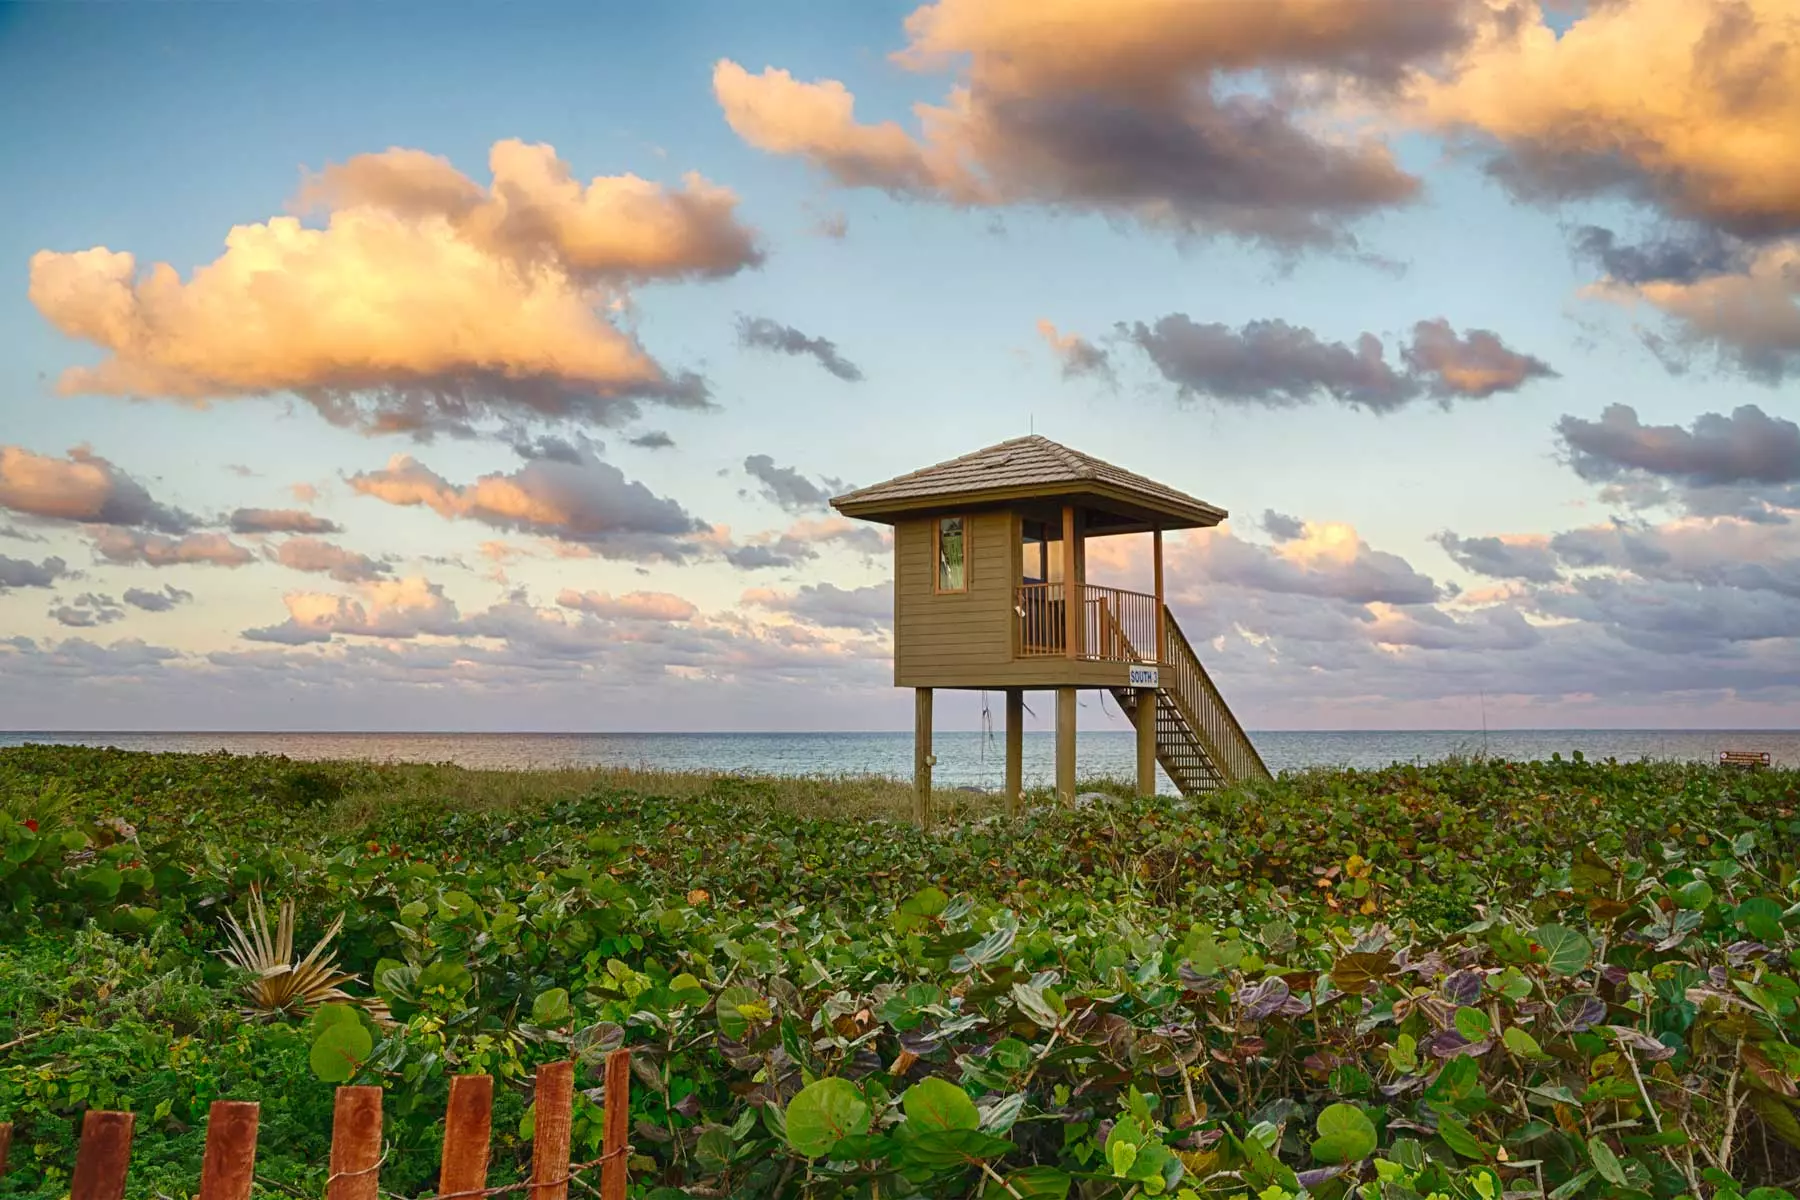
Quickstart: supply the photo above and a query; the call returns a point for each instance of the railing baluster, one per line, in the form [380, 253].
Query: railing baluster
[468, 1126]
[230, 1160]
[355, 1167]
[103, 1157]
[551, 1101]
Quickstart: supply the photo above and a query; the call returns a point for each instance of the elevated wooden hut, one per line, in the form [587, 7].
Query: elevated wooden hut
[991, 592]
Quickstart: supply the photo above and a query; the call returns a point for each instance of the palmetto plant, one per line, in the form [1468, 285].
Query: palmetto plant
[283, 987]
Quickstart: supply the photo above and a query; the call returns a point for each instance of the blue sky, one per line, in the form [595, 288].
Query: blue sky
[157, 129]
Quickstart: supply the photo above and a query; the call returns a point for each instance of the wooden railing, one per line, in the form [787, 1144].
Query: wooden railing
[1187, 682]
[1112, 625]
[103, 1157]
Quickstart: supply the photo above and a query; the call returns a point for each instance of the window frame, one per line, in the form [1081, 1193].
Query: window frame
[937, 555]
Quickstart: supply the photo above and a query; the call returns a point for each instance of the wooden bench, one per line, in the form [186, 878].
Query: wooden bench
[1744, 758]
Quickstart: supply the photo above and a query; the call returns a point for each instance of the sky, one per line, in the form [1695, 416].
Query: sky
[457, 367]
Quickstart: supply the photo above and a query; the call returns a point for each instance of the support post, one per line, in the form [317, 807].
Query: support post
[1072, 613]
[355, 1162]
[1146, 741]
[229, 1164]
[922, 757]
[1065, 746]
[1162, 636]
[1015, 750]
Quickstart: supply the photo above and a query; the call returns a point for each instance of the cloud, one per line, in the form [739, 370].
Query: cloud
[280, 520]
[391, 608]
[426, 303]
[1677, 256]
[869, 608]
[632, 606]
[88, 610]
[789, 489]
[587, 501]
[1137, 109]
[318, 555]
[1692, 106]
[82, 487]
[1278, 365]
[1748, 447]
[1282, 527]
[22, 572]
[762, 333]
[1749, 317]
[797, 544]
[1528, 558]
[1076, 354]
[127, 546]
[654, 439]
[159, 601]
[1328, 560]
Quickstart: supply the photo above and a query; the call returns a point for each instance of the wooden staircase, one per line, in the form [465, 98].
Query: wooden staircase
[1198, 742]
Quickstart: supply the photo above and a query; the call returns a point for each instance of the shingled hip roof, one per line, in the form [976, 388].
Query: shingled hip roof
[1024, 468]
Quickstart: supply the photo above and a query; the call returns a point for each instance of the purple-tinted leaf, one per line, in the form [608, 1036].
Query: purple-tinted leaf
[1614, 974]
[1463, 987]
[1739, 953]
[1641, 1043]
[1262, 1000]
[1312, 1179]
[1581, 1013]
[1200, 1139]
[1447, 1043]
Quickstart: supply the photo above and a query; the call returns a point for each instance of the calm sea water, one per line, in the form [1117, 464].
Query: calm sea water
[964, 759]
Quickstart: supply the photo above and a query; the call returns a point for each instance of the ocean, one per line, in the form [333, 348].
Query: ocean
[964, 759]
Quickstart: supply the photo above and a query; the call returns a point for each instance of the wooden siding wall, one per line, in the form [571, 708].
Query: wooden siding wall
[965, 639]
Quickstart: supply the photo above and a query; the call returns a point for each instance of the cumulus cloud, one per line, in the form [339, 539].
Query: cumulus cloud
[654, 439]
[128, 546]
[788, 488]
[869, 608]
[763, 333]
[158, 601]
[1748, 447]
[1075, 354]
[1692, 106]
[1528, 558]
[22, 572]
[394, 608]
[280, 520]
[88, 610]
[1282, 527]
[582, 500]
[1277, 365]
[632, 606]
[797, 544]
[81, 487]
[327, 558]
[1135, 109]
[427, 302]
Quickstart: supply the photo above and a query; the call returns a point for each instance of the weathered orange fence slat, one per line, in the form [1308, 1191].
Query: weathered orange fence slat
[618, 1124]
[103, 1156]
[355, 1145]
[468, 1124]
[230, 1160]
[552, 1101]
[229, 1165]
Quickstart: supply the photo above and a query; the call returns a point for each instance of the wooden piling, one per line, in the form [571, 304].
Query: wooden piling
[1015, 750]
[103, 1157]
[551, 1103]
[230, 1160]
[355, 1166]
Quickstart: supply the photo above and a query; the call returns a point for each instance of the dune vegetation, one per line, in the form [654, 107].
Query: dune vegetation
[1475, 979]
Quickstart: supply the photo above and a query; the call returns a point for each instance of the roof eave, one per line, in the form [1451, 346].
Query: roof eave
[1198, 515]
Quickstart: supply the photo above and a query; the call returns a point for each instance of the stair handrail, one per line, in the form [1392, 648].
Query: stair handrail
[1238, 757]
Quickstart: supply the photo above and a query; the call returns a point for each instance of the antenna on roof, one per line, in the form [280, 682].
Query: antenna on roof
[1031, 425]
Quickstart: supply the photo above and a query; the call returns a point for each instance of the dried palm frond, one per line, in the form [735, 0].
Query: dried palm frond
[281, 986]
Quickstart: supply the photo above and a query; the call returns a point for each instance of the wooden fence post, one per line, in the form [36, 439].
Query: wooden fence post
[355, 1144]
[618, 1124]
[5, 1143]
[551, 1103]
[230, 1161]
[468, 1124]
[104, 1156]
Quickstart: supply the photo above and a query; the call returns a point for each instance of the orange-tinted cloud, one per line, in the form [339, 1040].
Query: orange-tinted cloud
[426, 301]
[327, 558]
[1691, 104]
[632, 606]
[1125, 108]
[127, 546]
[82, 487]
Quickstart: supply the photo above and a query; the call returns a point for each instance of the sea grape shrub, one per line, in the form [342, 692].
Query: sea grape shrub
[1464, 980]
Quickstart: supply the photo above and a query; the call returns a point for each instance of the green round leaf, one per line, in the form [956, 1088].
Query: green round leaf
[824, 1114]
[340, 1048]
[737, 1006]
[1695, 894]
[551, 1007]
[939, 1104]
[1566, 952]
[1346, 1135]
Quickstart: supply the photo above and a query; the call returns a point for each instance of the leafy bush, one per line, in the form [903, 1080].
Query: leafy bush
[1468, 980]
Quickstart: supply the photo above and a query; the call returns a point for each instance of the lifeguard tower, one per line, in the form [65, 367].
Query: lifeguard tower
[991, 593]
